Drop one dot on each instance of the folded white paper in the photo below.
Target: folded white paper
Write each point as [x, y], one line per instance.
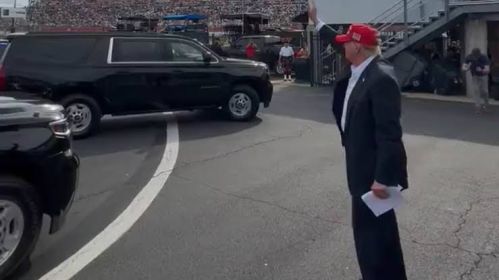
[381, 206]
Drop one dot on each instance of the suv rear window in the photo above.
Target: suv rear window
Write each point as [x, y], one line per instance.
[272, 40]
[57, 50]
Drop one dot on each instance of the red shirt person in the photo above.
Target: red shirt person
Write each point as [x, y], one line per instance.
[251, 50]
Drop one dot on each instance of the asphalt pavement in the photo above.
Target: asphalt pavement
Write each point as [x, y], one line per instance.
[268, 199]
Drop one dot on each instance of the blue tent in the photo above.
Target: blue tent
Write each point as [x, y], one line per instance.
[193, 17]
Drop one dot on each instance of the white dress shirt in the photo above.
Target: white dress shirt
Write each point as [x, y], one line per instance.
[356, 73]
[287, 51]
[319, 25]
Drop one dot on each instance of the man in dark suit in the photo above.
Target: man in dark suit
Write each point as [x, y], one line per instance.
[367, 108]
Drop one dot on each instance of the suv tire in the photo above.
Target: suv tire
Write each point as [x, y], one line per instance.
[243, 103]
[84, 113]
[21, 219]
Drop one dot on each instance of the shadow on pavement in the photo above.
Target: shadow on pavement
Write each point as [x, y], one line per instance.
[140, 132]
[124, 134]
[209, 123]
[303, 102]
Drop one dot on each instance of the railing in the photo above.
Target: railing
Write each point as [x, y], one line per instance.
[390, 11]
[403, 12]
[403, 16]
[406, 12]
[397, 17]
[471, 2]
[400, 12]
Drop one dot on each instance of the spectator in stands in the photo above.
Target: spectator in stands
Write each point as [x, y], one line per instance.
[105, 13]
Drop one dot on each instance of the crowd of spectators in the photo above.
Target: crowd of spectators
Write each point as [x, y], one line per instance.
[105, 13]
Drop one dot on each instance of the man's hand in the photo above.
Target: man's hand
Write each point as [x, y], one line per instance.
[312, 12]
[380, 191]
[486, 69]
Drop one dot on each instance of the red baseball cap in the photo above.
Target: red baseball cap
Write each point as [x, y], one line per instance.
[360, 33]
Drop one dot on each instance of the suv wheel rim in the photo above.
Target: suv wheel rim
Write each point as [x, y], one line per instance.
[240, 104]
[80, 116]
[11, 229]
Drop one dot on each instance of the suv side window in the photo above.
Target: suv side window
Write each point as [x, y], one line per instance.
[138, 50]
[185, 52]
[47, 50]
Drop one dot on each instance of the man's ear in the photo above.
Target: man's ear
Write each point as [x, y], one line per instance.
[359, 47]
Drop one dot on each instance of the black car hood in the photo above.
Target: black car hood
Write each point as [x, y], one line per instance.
[15, 112]
[244, 62]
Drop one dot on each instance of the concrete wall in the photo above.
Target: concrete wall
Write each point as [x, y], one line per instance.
[493, 36]
[493, 31]
[349, 11]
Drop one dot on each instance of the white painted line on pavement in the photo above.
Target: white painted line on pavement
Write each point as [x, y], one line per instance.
[74, 264]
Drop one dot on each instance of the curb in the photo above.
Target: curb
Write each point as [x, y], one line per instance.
[458, 99]
[412, 95]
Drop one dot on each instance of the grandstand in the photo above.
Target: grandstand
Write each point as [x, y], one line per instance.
[105, 13]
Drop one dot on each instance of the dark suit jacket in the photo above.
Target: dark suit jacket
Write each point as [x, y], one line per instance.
[373, 134]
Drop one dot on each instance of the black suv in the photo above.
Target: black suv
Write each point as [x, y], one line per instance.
[92, 74]
[38, 175]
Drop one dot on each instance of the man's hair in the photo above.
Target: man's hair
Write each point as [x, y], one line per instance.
[476, 52]
[371, 50]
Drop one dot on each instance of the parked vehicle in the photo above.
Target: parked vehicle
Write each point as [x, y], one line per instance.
[94, 74]
[194, 26]
[268, 48]
[38, 175]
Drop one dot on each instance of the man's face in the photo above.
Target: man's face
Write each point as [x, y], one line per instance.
[352, 49]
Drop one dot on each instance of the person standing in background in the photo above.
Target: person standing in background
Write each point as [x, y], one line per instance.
[286, 58]
[479, 66]
[251, 50]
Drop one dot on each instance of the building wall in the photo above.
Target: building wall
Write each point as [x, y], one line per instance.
[493, 30]
[349, 11]
[493, 33]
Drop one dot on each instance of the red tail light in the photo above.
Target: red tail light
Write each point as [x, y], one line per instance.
[3, 79]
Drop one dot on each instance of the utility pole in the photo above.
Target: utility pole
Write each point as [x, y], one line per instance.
[29, 14]
[447, 9]
[406, 24]
[13, 27]
[242, 14]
